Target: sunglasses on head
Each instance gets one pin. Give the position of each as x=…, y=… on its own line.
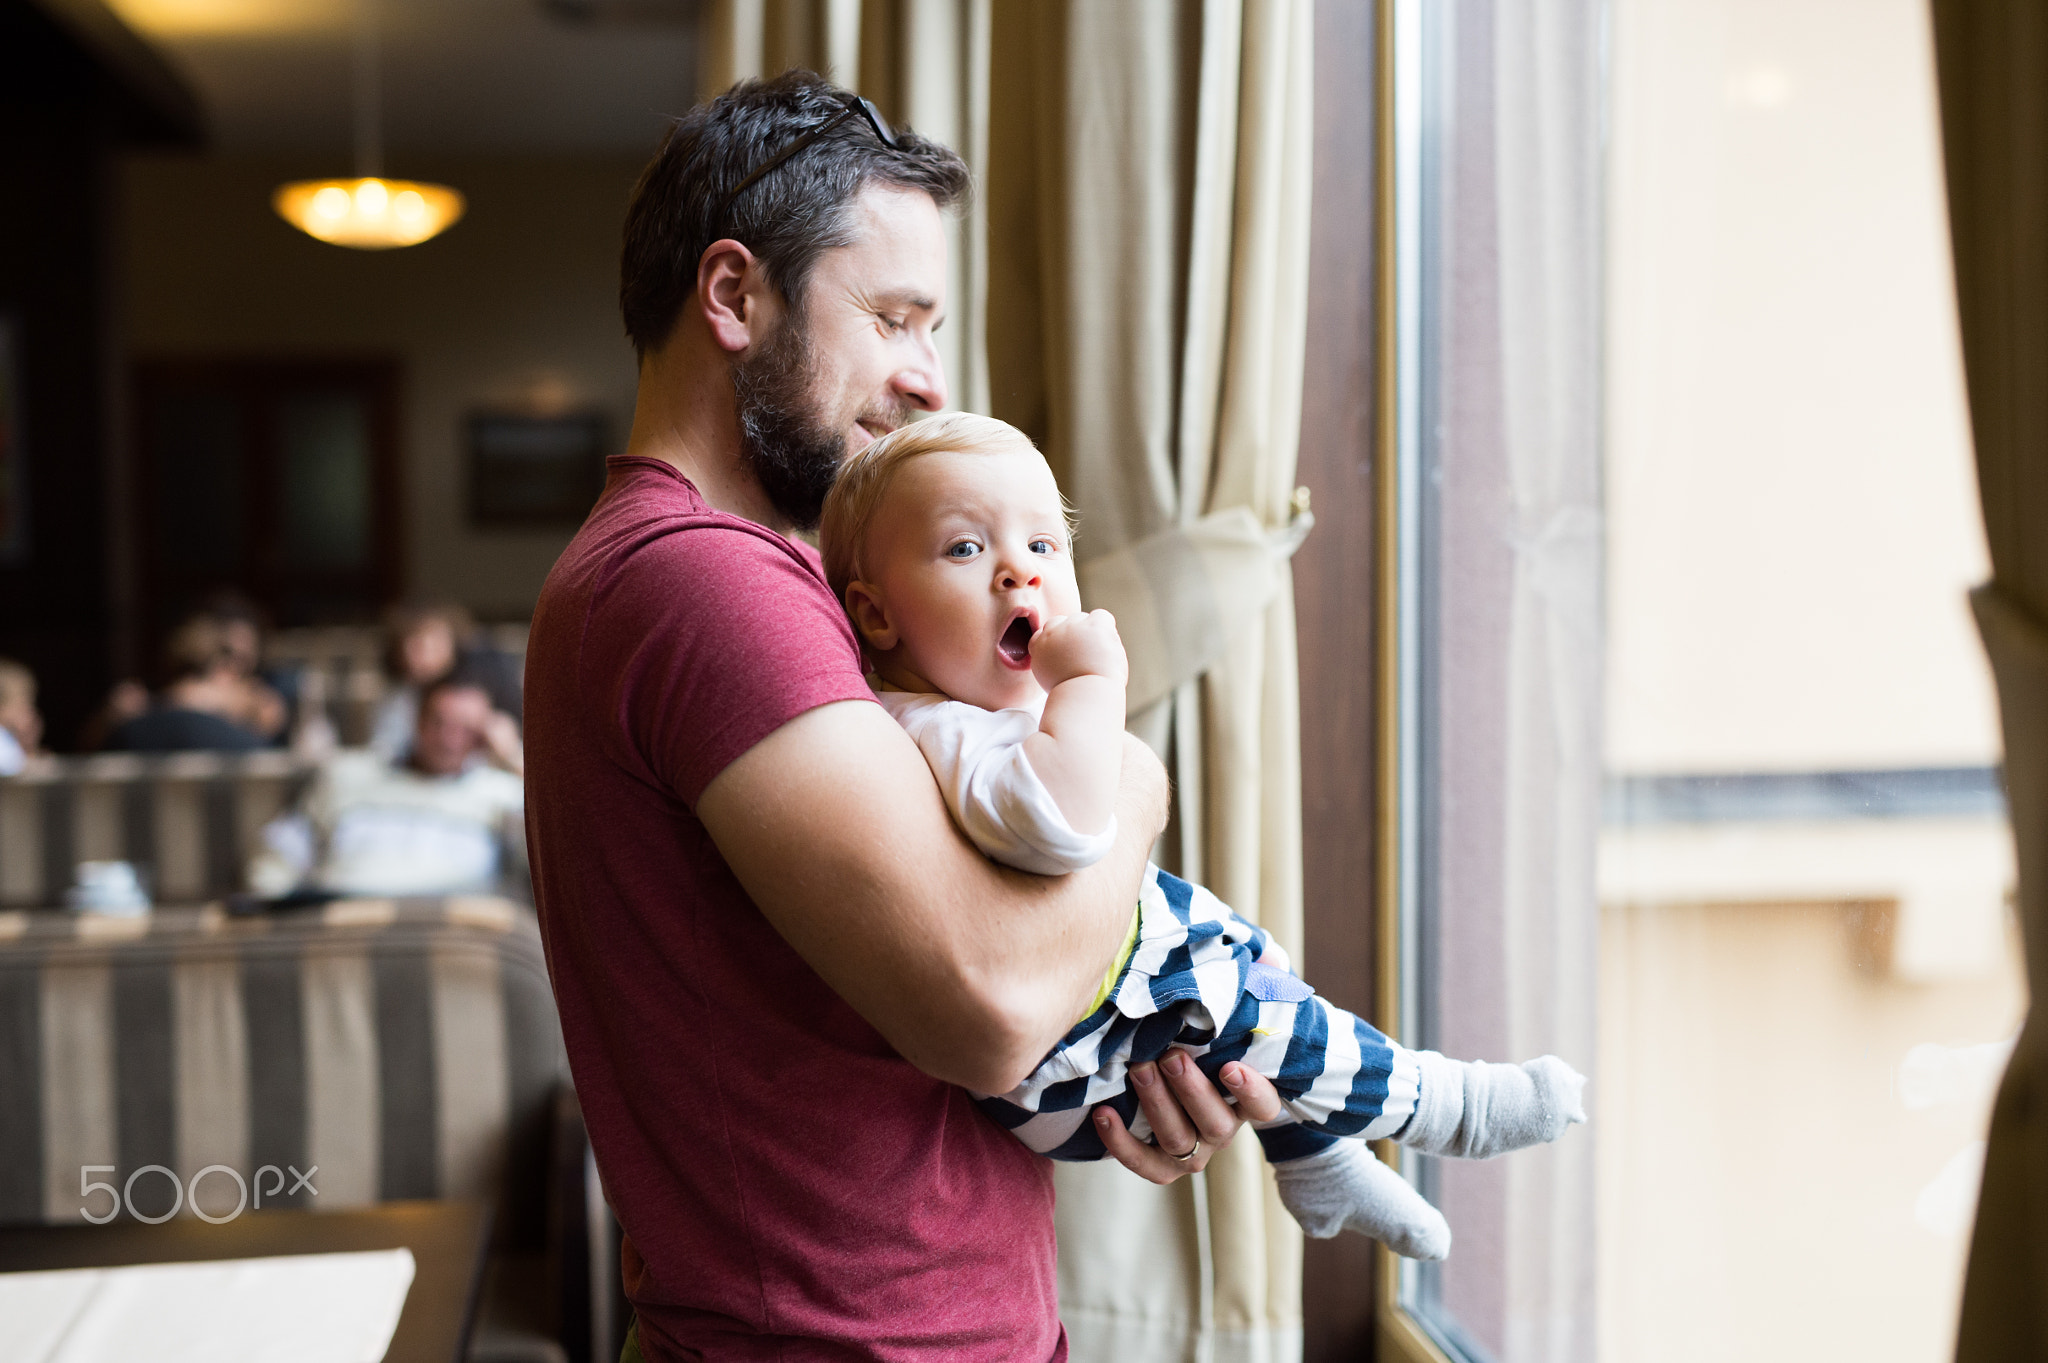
x=855, y=107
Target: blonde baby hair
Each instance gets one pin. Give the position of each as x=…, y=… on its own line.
x=864, y=479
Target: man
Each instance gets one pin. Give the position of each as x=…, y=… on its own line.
x=775, y=956
x=21, y=724
x=439, y=822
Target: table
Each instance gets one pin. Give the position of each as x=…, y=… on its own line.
x=447, y=1239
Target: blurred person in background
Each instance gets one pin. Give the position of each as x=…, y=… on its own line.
x=446, y=819
x=429, y=641
x=211, y=668
x=21, y=724
x=214, y=700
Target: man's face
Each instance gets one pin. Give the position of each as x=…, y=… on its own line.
x=855, y=360
x=451, y=728
x=427, y=650
x=242, y=644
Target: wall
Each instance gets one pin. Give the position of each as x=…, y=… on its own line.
x=1793, y=1181
x=1790, y=492
x=1802, y=1014
x=514, y=304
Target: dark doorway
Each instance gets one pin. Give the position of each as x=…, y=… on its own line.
x=277, y=478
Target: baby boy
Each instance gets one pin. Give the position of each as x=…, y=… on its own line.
x=949, y=545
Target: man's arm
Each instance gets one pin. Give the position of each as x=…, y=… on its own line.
x=972, y=971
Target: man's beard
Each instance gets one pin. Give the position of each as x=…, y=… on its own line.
x=784, y=439
x=787, y=440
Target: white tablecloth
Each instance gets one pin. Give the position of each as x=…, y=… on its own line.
x=311, y=1308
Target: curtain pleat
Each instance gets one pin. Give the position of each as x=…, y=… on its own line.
x=1992, y=60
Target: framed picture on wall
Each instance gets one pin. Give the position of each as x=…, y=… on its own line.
x=531, y=472
x=13, y=459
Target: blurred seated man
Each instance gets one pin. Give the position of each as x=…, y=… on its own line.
x=429, y=641
x=213, y=702
x=21, y=724
x=443, y=821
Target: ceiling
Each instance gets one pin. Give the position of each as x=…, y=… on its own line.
x=476, y=76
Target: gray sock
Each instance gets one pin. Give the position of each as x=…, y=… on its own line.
x=1345, y=1188
x=1475, y=1110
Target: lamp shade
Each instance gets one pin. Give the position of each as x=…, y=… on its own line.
x=369, y=214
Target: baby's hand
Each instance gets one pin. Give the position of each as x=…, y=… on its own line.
x=1078, y=646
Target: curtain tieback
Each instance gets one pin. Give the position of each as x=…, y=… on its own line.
x=1180, y=595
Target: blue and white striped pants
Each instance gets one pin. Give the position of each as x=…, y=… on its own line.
x=1218, y=987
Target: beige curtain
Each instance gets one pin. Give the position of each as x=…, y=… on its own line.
x=746, y=38
x=1548, y=94
x=1992, y=57
x=1130, y=287
x=1509, y=103
x=1148, y=190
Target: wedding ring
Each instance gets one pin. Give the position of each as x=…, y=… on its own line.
x=1190, y=1154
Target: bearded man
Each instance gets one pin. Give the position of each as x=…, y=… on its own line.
x=778, y=964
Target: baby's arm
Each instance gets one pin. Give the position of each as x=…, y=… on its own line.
x=1077, y=752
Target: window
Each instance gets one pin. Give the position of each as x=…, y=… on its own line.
x=1808, y=969
x=1692, y=763
x=1491, y=611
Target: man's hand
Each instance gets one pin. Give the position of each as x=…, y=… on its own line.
x=499, y=738
x=1188, y=1117
x=1068, y=646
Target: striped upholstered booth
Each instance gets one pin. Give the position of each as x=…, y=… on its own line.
x=384, y=1049
x=188, y=821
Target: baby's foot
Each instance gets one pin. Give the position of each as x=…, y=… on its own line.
x=1345, y=1188
x=1475, y=1110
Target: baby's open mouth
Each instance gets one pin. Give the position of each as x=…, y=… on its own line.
x=1014, y=648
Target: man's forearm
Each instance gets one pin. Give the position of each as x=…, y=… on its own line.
x=971, y=971
x=1093, y=907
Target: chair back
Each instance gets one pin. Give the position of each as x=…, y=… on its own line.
x=363, y=1052
x=188, y=821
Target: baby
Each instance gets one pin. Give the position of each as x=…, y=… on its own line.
x=949, y=545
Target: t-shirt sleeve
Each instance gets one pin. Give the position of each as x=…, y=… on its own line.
x=703, y=642
x=994, y=795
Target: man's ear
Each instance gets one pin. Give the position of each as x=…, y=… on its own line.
x=870, y=616
x=729, y=291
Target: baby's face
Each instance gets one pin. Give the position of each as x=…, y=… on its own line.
x=965, y=559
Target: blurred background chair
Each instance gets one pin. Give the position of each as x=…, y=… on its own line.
x=390, y=1049
x=188, y=821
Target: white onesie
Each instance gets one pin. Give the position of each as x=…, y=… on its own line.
x=998, y=800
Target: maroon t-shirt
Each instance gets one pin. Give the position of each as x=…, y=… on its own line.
x=790, y=1187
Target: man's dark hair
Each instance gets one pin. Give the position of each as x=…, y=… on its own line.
x=464, y=676
x=787, y=218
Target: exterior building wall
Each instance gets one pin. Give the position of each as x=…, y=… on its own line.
x=1805, y=1010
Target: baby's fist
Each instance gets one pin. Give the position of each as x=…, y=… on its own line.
x=1087, y=645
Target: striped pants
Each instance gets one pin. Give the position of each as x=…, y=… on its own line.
x=1202, y=979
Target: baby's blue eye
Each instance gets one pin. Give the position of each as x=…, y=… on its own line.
x=1045, y=546
x=964, y=549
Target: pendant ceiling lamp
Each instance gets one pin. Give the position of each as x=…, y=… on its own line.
x=368, y=212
